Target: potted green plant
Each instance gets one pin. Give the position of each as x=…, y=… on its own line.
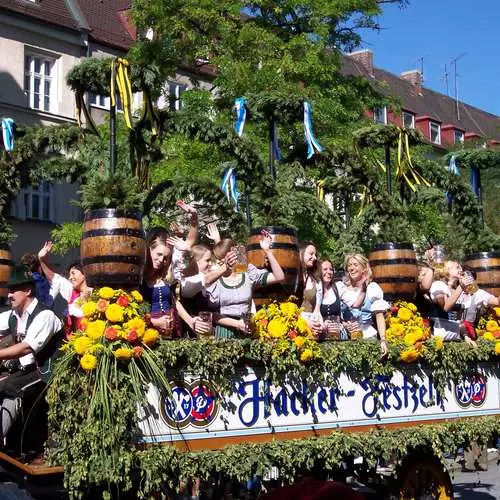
x=113, y=245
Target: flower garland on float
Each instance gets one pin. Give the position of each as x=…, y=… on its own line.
x=488, y=327
x=282, y=324
x=115, y=324
x=406, y=329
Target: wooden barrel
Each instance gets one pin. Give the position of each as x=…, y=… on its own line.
x=113, y=248
x=6, y=266
x=394, y=267
x=285, y=248
x=487, y=267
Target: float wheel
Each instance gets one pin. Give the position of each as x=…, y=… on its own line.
x=424, y=478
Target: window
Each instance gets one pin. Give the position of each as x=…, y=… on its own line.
x=408, y=120
x=39, y=82
x=175, y=91
x=380, y=115
x=435, y=132
x=38, y=201
x=459, y=136
x=104, y=102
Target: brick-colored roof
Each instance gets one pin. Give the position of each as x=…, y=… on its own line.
x=430, y=103
x=51, y=11
x=109, y=23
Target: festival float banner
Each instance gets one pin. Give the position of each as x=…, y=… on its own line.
x=195, y=411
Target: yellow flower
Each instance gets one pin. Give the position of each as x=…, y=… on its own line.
x=122, y=353
x=114, y=313
x=410, y=339
x=106, y=292
x=394, y=321
x=412, y=307
x=260, y=314
x=404, y=314
x=489, y=336
x=299, y=341
x=137, y=296
x=95, y=329
x=306, y=355
x=438, y=343
x=409, y=356
x=492, y=325
x=398, y=329
x=273, y=310
x=302, y=326
x=88, y=362
x=151, y=336
x=497, y=348
x=277, y=328
x=288, y=309
x=82, y=344
x=138, y=325
x=89, y=308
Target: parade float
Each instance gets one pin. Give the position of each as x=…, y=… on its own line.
x=132, y=414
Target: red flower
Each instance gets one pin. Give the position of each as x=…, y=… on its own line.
x=132, y=336
x=426, y=322
x=137, y=351
x=122, y=301
x=110, y=333
x=292, y=334
x=394, y=309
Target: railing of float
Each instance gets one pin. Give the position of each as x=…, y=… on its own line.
x=196, y=416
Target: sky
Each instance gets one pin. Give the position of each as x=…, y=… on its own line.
x=439, y=31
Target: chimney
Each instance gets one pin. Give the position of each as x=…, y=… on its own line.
x=414, y=77
x=365, y=58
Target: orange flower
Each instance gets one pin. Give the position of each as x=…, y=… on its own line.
x=137, y=351
x=101, y=305
x=110, y=333
x=292, y=334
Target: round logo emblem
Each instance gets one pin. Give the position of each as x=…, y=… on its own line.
x=471, y=390
x=203, y=400
x=190, y=403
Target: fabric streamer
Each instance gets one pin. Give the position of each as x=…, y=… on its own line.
x=8, y=134
x=229, y=187
x=312, y=143
x=275, y=144
x=475, y=181
x=320, y=189
x=453, y=169
x=240, y=113
x=122, y=81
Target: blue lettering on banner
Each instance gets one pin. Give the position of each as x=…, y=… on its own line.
x=376, y=395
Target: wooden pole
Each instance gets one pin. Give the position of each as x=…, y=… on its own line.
x=247, y=204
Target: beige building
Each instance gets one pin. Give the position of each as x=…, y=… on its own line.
x=40, y=42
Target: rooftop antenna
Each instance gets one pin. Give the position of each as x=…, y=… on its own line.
x=454, y=62
x=446, y=81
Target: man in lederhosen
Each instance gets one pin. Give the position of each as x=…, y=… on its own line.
x=35, y=333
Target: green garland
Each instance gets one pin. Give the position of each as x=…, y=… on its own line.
x=104, y=458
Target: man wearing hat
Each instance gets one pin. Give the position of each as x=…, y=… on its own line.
x=35, y=333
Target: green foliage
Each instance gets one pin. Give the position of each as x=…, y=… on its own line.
x=111, y=190
x=66, y=237
x=98, y=457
